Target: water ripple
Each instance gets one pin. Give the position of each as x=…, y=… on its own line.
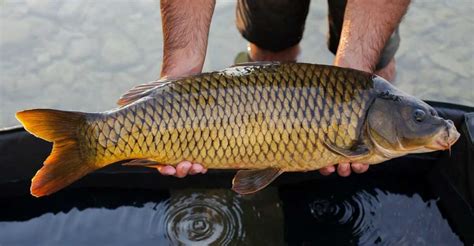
x=200, y=218
x=357, y=212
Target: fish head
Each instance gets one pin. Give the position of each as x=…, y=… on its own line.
x=399, y=124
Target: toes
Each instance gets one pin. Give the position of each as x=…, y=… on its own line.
x=327, y=170
x=344, y=169
x=182, y=169
x=359, y=167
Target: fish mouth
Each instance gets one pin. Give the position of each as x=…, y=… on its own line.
x=441, y=145
x=446, y=139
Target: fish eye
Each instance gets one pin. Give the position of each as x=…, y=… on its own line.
x=419, y=115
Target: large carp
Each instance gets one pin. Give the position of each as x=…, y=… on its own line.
x=267, y=118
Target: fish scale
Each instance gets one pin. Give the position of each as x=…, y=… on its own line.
x=244, y=117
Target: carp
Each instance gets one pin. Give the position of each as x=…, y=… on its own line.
x=266, y=118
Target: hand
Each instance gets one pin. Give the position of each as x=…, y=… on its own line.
x=344, y=169
x=182, y=169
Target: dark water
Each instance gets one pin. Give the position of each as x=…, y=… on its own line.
x=363, y=210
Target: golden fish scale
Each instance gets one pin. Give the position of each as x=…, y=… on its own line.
x=243, y=117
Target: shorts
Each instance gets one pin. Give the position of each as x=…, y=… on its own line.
x=276, y=25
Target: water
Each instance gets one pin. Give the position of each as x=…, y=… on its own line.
x=82, y=55
x=365, y=210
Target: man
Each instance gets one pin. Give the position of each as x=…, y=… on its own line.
x=363, y=35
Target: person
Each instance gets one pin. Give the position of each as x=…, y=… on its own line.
x=363, y=35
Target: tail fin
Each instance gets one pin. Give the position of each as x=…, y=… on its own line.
x=65, y=164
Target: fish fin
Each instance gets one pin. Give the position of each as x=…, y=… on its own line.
x=250, y=181
x=256, y=63
x=357, y=151
x=141, y=91
x=143, y=163
x=65, y=164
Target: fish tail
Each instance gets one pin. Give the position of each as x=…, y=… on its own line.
x=65, y=164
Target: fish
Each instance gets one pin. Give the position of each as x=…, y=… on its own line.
x=263, y=118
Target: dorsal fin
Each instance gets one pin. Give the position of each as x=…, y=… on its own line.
x=256, y=63
x=141, y=91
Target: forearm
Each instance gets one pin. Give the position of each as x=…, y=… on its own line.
x=185, y=32
x=367, y=26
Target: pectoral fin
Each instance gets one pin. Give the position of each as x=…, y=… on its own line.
x=357, y=151
x=143, y=163
x=250, y=181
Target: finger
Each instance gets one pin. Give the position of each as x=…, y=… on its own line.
x=182, y=169
x=344, y=169
x=195, y=168
x=327, y=170
x=359, y=167
x=166, y=170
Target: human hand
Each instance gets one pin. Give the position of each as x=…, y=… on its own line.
x=182, y=169
x=344, y=169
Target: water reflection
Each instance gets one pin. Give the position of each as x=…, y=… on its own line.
x=387, y=211
x=357, y=212
x=201, y=218
x=145, y=217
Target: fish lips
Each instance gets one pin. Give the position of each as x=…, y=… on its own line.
x=446, y=138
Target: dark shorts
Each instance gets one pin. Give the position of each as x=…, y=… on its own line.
x=279, y=24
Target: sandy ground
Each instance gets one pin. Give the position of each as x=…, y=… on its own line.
x=83, y=54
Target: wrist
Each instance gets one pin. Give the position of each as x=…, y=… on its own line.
x=181, y=65
x=179, y=71
x=354, y=62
